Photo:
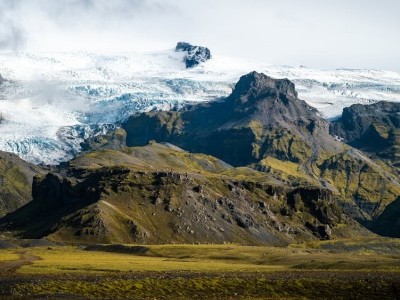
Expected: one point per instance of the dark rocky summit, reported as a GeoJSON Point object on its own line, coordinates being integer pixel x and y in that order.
{"type": "Point", "coordinates": [194, 54]}
{"type": "Point", "coordinates": [262, 116]}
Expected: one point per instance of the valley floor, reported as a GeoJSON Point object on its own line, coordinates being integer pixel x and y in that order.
{"type": "Point", "coordinates": [339, 269]}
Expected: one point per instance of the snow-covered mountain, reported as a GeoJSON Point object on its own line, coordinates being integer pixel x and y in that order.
{"type": "Point", "coordinates": [52, 101]}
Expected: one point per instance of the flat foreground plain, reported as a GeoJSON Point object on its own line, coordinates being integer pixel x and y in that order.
{"type": "Point", "coordinates": [339, 269]}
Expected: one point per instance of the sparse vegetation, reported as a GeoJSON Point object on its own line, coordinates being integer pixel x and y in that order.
{"type": "Point", "coordinates": [15, 182]}
{"type": "Point", "coordinates": [206, 271]}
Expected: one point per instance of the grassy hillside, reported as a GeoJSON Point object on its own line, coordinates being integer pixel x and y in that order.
{"type": "Point", "coordinates": [162, 194]}
{"type": "Point", "coordinates": [16, 178]}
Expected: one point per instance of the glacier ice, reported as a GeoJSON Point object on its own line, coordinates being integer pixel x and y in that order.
{"type": "Point", "coordinates": [53, 101]}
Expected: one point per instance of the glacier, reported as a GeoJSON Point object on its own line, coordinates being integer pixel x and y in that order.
{"type": "Point", "coordinates": [51, 102]}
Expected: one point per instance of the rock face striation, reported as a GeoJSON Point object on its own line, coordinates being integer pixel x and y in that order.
{"type": "Point", "coordinates": [194, 54]}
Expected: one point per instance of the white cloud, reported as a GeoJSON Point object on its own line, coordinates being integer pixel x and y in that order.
{"type": "Point", "coordinates": [322, 34]}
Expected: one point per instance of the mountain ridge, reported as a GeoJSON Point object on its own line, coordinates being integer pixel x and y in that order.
{"type": "Point", "coordinates": [106, 197]}
{"type": "Point", "coordinates": [261, 121]}
{"type": "Point", "coordinates": [270, 173]}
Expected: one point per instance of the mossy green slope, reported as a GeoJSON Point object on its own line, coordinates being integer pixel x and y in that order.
{"type": "Point", "coordinates": [161, 194]}
{"type": "Point", "coordinates": [15, 182]}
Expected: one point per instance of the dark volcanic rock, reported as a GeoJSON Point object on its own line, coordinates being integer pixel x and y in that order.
{"type": "Point", "coordinates": [194, 54]}
{"type": "Point", "coordinates": [356, 121]}
{"type": "Point", "coordinates": [318, 202]}
{"type": "Point", "coordinates": [244, 127]}
{"type": "Point", "coordinates": [372, 128]}
{"type": "Point", "coordinates": [388, 223]}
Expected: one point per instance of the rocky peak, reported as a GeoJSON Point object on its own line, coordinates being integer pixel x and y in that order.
{"type": "Point", "coordinates": [356, 120]}
{"type": "Point", "coordinates": [194, 54]}
{"type": "Point", "coordinates": [273, 102]}
{"type": "Point", "coordinates": [259, 85]}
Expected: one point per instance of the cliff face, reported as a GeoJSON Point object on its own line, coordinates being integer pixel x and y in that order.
{"type": "Point", "coordinates": [106, 196]}
{"type": "Point", "coordinates": [373, 128]}
{"type": "Point", "coordinates": [388, 223]}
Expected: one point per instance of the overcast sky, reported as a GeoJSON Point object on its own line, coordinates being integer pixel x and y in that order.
{"type": "Point", "coordinates": [316, 33]}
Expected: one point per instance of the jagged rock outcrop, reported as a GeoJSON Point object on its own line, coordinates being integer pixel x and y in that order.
{"type": "Point", "coordinates": [114, 139]}
{"type": "Point", "coordinates": [264, 125]}
{"type": "Point", "coordinates": [194, 54]}
{"type": "Point", "coordinates": [106, 197]}
{"type": "Point", "coordinates": [1, 79]}
{"type": "Point", "coordinates": [373, 128]}
{"type": "Point", "coordinates": [16, 176]}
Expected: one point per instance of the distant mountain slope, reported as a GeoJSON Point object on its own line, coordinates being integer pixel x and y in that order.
{"type": "Point", "coordinates": [372, 128]}
{"type": "Point", "coordinates": [16, 178]}
{"type": "Point", "coordinates": [263, 124]}
{"type": "Point", "coordinates": [161, 194]}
